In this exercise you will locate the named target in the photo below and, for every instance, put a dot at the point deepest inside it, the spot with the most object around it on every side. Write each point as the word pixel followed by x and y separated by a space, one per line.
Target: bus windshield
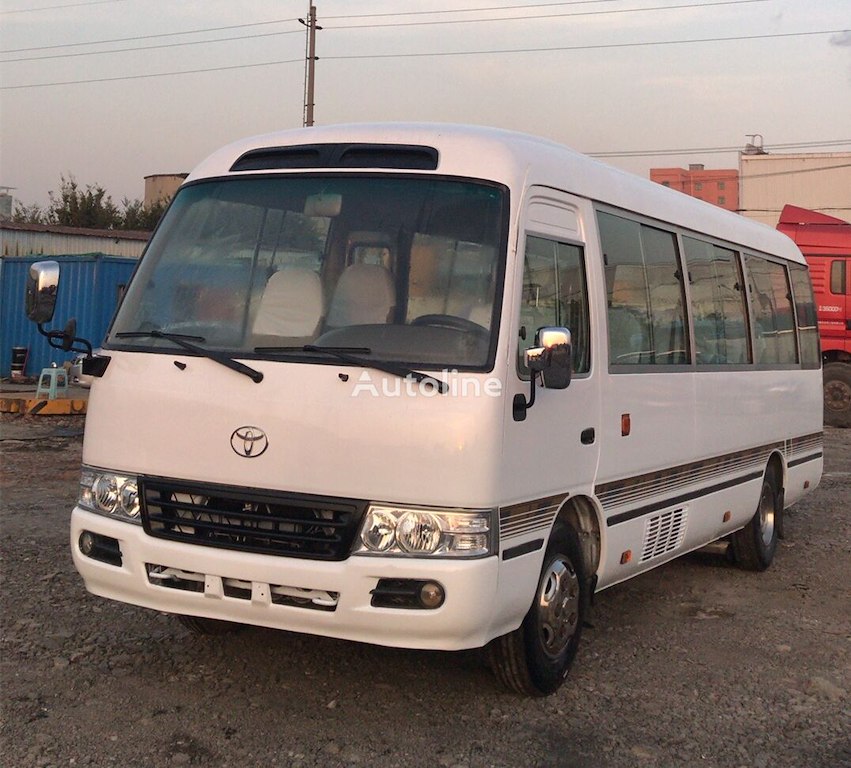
pixel 403 269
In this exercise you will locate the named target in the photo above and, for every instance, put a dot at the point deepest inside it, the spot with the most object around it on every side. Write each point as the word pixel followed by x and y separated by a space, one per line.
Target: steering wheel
pixel 451 321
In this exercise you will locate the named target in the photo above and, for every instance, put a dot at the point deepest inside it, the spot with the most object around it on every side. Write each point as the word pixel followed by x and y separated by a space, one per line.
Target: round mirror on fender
pixel 41 291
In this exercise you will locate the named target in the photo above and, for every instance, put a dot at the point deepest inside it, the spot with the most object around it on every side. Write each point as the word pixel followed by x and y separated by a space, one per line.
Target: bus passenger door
pixel 555 442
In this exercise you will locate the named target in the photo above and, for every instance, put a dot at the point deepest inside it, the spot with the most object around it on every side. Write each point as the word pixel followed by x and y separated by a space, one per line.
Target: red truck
pixel 825 242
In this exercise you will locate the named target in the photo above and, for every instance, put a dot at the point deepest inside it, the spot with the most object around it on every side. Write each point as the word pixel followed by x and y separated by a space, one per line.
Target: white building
pixel 818 181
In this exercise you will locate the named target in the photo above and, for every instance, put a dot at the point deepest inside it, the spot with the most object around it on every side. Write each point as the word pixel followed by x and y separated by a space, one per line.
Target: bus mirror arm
pixel 41 291
pixel 551 358
pixel 67 338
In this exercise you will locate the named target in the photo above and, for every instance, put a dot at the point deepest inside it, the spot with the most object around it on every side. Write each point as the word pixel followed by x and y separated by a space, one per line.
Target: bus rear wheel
pixel 837 394
pixel 534 659
pixel 755 544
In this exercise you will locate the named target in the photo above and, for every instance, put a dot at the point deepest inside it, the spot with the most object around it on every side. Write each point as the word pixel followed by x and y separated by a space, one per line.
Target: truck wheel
pixel 837 394
pixel 535 658
pixel 200 625
pixel 755 544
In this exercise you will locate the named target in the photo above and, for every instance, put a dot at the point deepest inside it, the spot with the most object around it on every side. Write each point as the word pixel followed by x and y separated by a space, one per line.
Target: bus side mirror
pixel 551 357
pixel 40 298
pixel 42 288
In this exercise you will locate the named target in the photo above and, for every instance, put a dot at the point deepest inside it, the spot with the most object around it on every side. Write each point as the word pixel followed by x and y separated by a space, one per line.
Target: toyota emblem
pixel 249 442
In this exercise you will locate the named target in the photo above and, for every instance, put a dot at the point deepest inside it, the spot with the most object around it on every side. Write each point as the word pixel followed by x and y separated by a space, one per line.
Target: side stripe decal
pixel 652 491
pixel 681 499
pixel 805 459
pixel 649 491
pixel 528 516
pixel 522 549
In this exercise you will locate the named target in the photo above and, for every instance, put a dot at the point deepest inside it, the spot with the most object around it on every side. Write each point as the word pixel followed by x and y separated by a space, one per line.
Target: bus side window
pixel 717 304
pixel 644 292
pixel 554 294
pixel 805 314
pixel 773 316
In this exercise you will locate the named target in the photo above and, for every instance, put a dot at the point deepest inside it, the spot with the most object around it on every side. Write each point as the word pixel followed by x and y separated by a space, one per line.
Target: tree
pixel 139 216
pixel 90 208
pixel 72 207
pixel 29 214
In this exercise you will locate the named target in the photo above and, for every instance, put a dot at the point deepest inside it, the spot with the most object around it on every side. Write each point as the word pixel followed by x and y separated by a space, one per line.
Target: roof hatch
pixel 400 156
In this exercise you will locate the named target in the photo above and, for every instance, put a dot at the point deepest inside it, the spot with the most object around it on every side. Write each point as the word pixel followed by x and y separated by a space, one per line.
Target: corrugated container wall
pixel 22 242
pixel 89 289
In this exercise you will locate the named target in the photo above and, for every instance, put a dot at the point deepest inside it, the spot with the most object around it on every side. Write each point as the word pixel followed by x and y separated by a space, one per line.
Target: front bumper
pixel 258 589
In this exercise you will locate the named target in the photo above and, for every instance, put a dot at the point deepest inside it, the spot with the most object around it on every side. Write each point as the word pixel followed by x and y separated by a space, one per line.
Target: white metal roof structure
pixel 514 159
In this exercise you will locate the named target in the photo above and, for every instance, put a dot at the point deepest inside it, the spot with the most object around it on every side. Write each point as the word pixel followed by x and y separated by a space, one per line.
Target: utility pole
pixel 310 59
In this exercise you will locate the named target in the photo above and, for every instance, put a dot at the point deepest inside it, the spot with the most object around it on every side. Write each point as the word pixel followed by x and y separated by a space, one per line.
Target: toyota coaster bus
pixel 433 386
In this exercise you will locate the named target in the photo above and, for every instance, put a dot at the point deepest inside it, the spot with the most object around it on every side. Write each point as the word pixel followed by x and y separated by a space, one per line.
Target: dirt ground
pixel 695 664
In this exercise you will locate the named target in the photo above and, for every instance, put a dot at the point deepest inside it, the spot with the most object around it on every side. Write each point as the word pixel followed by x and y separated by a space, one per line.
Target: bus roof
pixel 515 159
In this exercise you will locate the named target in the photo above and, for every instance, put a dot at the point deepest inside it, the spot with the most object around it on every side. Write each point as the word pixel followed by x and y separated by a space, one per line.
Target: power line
pixel 152 47
pixel 432 54
pixel 548 15
pixel 469 10
pixel 281 21
pixel 794 172
pixel 148 37
pixel 56 7
pixel 356 26
pixel 715 176
pixel 153 74
pixel 712 150
pixel 603 46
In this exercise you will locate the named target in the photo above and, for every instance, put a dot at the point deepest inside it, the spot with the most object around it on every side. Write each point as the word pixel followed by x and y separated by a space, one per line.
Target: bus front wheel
pixel 755 544
pixel 535 658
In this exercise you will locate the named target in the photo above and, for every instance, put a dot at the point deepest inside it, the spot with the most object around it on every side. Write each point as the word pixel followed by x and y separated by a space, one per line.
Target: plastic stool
pixel 52 382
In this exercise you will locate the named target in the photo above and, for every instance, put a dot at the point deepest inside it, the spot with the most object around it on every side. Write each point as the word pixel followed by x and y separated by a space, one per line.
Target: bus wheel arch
pixel 534 659
pixel 754 546
pixel 581 515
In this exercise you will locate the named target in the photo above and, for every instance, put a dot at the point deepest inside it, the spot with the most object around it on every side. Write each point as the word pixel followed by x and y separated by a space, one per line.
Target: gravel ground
pixel 696 663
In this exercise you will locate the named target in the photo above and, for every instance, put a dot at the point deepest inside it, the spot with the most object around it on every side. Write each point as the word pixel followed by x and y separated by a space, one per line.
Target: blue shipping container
pixel 90 287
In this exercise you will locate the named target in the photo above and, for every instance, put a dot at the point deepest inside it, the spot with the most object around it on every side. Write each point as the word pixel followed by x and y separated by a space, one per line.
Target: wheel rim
pixel 837 396
pixel 558 606
pixel 766 514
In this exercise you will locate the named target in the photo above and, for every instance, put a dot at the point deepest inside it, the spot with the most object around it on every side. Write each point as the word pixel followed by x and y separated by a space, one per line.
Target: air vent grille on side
pixel 664 533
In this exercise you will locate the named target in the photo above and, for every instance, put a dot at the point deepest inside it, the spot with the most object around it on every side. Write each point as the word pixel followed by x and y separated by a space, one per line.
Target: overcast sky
pixel 88 87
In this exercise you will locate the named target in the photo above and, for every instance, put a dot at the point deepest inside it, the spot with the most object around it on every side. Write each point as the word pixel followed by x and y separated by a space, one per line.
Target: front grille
pixel 249 520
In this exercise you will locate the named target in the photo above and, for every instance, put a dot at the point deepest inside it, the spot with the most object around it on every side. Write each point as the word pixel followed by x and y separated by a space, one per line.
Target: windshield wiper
pixel 185 341
pixel 350 355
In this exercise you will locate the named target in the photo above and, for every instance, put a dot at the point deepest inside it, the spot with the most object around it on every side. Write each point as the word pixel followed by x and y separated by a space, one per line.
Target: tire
pixel 754 545
pixel 535 658
pixel 837 394
pixel 202 626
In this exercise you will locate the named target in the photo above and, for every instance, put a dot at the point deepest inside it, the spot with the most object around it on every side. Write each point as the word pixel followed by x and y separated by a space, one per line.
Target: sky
pixel 111 91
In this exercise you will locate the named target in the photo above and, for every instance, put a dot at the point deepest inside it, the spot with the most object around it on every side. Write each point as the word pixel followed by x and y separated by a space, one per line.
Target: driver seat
pixel 290 308
pixel 364 295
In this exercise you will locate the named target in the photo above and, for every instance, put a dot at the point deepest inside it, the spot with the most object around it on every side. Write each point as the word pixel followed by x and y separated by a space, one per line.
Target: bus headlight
pixel 109 493
pixel 433 532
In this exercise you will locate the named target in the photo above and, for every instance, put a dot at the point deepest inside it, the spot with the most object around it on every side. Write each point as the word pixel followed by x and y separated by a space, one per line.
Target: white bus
pixel 432 387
